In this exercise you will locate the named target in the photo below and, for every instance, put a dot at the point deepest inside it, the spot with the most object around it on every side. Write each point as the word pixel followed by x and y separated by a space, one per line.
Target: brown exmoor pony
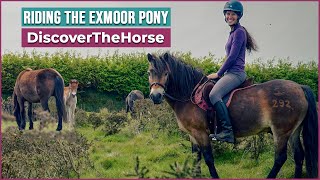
pixel 70 100
pixel 34 86
pixel 282 107
pixel 133 96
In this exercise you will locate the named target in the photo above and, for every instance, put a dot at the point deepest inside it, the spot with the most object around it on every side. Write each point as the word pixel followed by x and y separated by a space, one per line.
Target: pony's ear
pixel 166 56
pixel 150 57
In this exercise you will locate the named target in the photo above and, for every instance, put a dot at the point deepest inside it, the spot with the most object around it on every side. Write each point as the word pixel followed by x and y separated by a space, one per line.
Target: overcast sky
pixel 281 29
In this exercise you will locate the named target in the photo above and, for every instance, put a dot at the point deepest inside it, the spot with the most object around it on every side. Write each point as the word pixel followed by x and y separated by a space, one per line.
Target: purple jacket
pixel 236 51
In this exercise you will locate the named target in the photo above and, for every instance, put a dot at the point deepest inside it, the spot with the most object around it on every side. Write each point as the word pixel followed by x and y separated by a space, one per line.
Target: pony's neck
pixel 181 84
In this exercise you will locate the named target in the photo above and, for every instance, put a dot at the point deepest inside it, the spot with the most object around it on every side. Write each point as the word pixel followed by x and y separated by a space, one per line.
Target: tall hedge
pixel 121 73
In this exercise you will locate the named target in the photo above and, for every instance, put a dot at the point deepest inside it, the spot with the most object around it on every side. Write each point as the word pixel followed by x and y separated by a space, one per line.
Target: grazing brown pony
pixel 34 86
pixel 133 96
pixel 70 100
pixel 280 106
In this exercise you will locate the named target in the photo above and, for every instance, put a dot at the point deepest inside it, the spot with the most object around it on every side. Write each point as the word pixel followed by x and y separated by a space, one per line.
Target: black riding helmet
pixel 235 6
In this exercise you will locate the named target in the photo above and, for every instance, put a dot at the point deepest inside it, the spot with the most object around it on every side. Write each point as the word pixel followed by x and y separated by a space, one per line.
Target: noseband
pixel 159 84
pixel 166 94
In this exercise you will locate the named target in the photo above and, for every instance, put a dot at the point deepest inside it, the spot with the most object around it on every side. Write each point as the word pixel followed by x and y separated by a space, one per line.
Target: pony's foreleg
pixel 127 108
pixel 280 155
pixel 208 157
pixel 202 139
pixel 30 116
pixel 68 114
pixel 72 115
pixel 196 149
pixel 16 107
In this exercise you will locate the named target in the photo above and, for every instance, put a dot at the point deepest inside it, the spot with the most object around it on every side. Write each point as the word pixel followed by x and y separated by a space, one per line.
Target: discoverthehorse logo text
pixel 72 27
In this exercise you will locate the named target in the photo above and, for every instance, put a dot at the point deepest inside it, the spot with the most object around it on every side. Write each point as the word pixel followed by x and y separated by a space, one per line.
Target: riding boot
pixel 226 133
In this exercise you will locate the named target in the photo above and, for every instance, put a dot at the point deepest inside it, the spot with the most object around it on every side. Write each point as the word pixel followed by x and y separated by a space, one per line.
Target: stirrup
pixel 213 137
pixel 226 139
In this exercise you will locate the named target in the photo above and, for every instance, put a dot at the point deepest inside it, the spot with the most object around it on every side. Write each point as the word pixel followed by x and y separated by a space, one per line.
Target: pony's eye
pixel 166 74
pixel 148 73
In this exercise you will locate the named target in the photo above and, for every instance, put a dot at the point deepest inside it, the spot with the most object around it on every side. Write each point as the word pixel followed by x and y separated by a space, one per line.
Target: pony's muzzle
pixel 157 98
pixel 156 94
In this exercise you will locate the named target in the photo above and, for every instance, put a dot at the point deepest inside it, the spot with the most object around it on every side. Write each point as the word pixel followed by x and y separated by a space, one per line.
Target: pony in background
pixel 34 86
pixel 70 100
pixel 133 96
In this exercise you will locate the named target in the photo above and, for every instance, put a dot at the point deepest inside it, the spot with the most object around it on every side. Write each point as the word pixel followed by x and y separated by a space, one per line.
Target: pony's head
pixel 73 85
pixel 158 73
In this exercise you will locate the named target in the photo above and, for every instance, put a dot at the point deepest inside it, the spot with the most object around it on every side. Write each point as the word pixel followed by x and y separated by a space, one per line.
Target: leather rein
pixel 184 100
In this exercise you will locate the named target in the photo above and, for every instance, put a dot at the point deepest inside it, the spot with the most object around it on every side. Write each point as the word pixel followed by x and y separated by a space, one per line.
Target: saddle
pixel 200 97
pixel 200 94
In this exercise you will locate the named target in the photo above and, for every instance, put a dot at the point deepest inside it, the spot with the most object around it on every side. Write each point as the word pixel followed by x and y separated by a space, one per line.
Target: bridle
pixel 166 94
pixel 159 84
pixel 192 94
pixel 171 97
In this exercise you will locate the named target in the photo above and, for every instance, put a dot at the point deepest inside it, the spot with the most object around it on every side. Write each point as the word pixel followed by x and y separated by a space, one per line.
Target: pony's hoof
pixel 30 128
pixel 59 128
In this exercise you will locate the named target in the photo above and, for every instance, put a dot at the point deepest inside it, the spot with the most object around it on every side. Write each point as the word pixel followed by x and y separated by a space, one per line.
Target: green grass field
pixel 114 156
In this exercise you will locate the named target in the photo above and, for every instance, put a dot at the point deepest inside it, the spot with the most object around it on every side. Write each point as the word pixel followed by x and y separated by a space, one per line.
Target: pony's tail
pixel 16 109
pixel 59 87
pixel 310 134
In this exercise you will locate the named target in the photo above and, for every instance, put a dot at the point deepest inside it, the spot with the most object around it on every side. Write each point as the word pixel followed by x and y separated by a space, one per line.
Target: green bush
pixel 43 155
pixel 112 73
pixel 121 73
pixel 81 118
pixel 114 122
pixel 95 120
pixel 152 118
pixel 7 105
pixel 255 145
pixel 302 73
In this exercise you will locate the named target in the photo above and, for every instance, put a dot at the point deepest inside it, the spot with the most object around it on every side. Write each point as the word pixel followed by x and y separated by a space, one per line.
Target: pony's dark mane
pixel 182 77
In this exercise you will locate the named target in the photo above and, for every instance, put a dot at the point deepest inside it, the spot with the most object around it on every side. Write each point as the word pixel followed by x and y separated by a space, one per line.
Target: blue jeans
pixel 226 84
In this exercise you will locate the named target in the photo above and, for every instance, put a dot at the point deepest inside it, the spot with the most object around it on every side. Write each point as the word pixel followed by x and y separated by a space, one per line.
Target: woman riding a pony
pixel 232 72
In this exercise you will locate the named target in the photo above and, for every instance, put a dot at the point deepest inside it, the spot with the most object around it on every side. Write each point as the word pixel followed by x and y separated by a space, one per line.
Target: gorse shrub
pixel 81 118
pixel 154 118
pixel 95 120
pixel 255 145
pixel 44 155
pixel 7 105
pixel 114 122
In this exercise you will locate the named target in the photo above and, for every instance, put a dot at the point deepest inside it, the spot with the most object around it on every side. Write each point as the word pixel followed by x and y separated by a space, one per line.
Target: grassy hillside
pixel 108 143
pixel 159 148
